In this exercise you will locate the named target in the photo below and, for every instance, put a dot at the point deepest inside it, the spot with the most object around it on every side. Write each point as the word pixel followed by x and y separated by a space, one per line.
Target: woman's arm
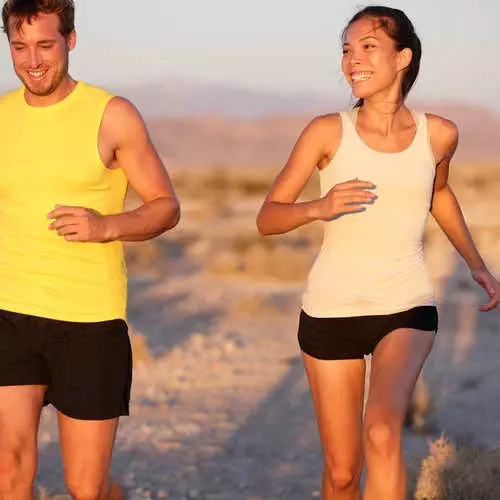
pixel 315 147
pixel 448 214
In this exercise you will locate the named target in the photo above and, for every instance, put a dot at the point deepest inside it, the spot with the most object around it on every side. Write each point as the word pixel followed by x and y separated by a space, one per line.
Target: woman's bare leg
pixel 337 389
pixel 396 364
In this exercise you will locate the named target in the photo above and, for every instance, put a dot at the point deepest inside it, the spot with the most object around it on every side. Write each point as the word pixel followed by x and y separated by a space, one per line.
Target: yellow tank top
pixel 50 156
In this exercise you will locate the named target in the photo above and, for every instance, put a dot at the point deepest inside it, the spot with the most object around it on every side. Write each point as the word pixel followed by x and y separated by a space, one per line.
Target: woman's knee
pixel 382 437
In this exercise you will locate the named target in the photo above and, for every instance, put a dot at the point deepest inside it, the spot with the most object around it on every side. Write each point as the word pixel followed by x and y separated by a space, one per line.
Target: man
pixel 68 151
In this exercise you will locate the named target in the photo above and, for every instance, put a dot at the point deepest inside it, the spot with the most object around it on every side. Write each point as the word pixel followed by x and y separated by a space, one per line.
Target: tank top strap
pixel 349 133
pixel 423 140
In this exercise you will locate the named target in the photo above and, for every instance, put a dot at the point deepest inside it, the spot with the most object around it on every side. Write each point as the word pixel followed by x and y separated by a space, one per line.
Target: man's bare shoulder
pixel 120 108
pixel 122 122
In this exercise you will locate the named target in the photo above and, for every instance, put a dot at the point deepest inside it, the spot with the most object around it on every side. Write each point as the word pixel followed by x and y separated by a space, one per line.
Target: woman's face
pixel 371 63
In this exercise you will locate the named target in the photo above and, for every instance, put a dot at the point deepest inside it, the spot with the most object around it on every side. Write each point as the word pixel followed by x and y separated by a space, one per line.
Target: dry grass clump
pixel 231 181
pixel 144 257
pixel 458 473
pixel 214 181
pixel 282 262
pixel 482 180
pixel 259 258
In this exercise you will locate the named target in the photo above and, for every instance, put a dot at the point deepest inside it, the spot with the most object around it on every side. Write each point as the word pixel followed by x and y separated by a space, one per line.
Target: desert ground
pixel 220 405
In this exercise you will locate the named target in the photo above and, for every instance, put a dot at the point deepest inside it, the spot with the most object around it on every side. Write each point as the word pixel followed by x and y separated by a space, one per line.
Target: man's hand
pixel 80 224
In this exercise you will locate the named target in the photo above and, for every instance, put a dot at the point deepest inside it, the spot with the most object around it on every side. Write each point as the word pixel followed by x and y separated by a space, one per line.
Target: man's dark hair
pixel 27 10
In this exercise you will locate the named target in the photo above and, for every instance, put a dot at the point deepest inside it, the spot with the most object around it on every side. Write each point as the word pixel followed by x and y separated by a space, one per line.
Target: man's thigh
pixel 87 448
pixel 20 408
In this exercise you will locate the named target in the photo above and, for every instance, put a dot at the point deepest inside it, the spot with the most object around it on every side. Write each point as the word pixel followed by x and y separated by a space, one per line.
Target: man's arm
pixel 146 174
pixel 124 130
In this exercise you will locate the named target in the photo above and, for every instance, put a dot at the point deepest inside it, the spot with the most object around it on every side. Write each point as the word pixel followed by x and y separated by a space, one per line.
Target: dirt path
pixel 222 410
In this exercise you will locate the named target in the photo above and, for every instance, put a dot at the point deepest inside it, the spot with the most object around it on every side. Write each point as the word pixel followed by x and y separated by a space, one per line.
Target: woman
pixel 381 167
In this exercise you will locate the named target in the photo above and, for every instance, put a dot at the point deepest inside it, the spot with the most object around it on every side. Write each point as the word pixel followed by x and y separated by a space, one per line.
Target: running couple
pixel 68 152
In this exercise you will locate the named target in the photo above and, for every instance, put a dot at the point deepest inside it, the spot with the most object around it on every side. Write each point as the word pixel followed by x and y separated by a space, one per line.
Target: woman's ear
pixel 404 59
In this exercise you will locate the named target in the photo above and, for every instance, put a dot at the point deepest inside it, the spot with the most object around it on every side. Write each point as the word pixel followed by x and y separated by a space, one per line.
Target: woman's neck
pixel 384 117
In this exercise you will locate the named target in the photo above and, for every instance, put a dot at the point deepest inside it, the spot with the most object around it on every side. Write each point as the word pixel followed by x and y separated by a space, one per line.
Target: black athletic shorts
pixel 86 366
pixel 355 337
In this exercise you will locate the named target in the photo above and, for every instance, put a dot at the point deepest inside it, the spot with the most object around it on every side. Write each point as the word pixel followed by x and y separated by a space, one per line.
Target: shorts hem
pixel 88 417
pixel 9 383
pixel 325 357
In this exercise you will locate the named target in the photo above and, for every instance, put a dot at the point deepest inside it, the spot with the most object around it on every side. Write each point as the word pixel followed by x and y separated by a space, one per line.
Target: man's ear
pixel 71 40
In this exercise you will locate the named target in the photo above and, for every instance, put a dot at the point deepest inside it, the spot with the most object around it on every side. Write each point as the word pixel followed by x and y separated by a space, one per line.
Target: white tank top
pixel 372 262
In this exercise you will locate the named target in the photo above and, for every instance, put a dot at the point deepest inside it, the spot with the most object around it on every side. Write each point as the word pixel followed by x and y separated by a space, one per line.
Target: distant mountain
pixel 176 98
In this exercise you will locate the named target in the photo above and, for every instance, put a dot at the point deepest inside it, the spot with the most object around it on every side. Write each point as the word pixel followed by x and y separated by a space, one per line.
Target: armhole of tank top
pixel 343 118
pixel 427 138
pixel 106 102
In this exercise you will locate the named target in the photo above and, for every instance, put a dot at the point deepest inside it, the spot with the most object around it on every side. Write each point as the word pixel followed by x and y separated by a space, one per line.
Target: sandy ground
pixel 220 408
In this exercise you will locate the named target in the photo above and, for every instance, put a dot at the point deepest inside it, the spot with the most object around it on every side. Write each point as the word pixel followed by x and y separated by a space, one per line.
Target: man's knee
pixel 87 491
pixel 17 471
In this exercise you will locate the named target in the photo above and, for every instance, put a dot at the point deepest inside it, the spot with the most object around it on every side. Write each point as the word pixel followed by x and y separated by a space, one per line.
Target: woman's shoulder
pixel 327 125
pixel 441 128
pixel 443 134
pixel 328 120
pixel 326 131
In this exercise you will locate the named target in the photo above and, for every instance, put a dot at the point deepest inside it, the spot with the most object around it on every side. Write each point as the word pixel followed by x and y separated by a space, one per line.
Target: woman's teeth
pixel 360 77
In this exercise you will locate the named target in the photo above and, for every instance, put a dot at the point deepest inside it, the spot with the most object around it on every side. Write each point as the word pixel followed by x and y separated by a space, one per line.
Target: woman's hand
pixel 490 284
pixel 346 197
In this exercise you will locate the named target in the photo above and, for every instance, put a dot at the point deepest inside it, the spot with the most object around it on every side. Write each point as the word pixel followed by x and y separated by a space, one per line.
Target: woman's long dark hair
pixel 399 28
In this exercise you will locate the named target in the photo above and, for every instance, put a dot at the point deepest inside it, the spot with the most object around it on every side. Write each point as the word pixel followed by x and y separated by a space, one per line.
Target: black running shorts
pixel 355 337
pixel 87 367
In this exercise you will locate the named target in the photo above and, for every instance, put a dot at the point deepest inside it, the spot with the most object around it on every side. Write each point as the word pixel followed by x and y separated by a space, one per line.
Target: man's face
pixel 40 53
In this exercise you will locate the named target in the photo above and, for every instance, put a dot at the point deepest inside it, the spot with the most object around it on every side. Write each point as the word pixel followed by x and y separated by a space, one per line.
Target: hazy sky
pixel 275 44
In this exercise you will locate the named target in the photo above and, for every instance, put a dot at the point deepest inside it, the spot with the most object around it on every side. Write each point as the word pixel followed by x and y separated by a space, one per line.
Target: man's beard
pixel 44 90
